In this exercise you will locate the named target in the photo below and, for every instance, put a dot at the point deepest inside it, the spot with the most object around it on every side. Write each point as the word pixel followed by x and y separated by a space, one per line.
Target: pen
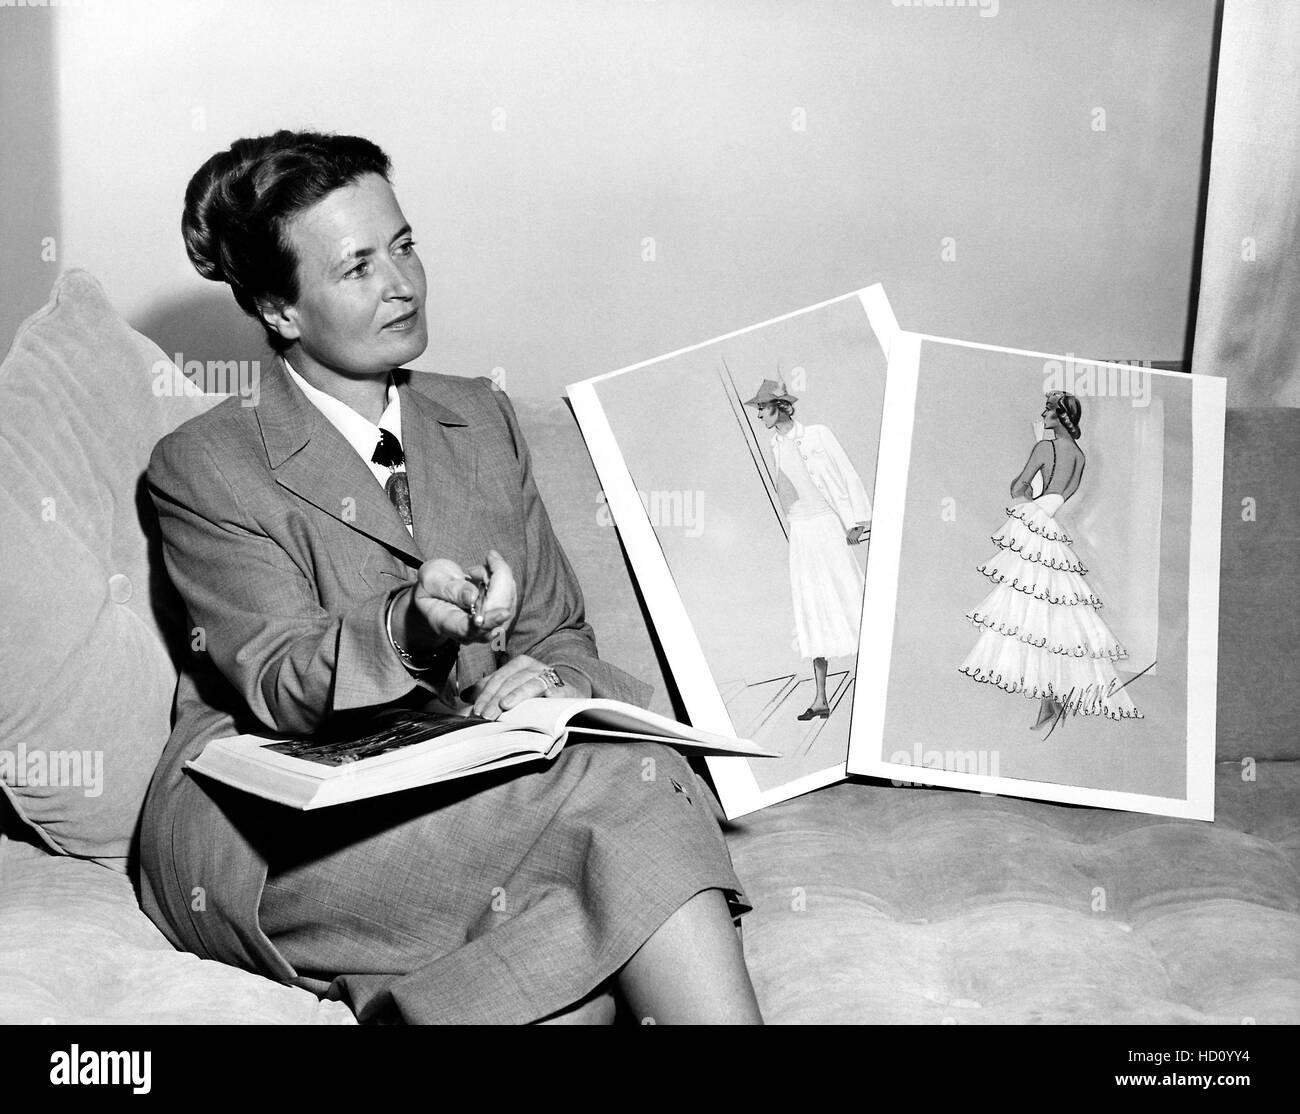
pixel 480 600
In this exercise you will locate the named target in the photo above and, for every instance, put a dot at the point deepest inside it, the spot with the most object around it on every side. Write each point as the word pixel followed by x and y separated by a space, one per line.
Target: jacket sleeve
pixel 256 609
pixel 552 624
pixel 859 503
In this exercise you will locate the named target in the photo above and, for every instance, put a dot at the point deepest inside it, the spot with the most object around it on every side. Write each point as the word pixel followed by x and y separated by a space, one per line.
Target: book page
pixel 555 716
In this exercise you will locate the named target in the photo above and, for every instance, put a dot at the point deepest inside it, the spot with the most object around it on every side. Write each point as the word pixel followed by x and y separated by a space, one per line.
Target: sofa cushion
pixel 86 611
pixel 571 491
pixel 881 905
pixel 78 949
pixel 1259 621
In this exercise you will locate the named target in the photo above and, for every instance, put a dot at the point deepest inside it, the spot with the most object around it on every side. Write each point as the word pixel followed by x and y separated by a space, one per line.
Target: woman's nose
pixel 398 284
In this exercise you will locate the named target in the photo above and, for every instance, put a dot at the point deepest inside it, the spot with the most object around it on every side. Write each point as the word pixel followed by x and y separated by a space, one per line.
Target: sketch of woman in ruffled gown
pixel 1040 631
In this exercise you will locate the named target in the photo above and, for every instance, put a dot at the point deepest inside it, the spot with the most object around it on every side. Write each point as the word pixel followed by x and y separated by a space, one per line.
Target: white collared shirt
pixel 360 433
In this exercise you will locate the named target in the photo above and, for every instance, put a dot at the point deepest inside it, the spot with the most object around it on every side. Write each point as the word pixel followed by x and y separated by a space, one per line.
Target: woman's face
pixel 1050 420
pixel 361 287
pixel 768 414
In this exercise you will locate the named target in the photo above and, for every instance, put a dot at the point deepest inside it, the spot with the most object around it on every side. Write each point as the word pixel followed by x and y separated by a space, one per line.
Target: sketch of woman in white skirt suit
pixel 830 512
pixel 1041 634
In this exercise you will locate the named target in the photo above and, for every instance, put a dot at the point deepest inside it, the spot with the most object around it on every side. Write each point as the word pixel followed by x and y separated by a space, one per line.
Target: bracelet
pixel 409 660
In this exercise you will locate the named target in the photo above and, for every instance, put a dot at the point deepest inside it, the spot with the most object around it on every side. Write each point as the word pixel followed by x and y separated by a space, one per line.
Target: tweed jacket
pixel 286 552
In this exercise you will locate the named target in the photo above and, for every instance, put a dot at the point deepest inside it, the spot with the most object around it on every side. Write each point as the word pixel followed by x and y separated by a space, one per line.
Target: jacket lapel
pixel 441 465
pixel 309 457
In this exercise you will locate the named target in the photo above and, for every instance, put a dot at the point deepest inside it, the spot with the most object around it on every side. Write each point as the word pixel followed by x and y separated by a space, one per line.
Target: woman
pixel 320 542
pixel 1041 634
pixel 830 512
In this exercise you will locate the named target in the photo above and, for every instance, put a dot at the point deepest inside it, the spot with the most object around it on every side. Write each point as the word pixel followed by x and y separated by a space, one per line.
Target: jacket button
pixel 119 587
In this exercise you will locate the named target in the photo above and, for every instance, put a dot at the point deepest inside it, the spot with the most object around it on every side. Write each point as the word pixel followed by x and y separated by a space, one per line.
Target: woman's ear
pixel 279 317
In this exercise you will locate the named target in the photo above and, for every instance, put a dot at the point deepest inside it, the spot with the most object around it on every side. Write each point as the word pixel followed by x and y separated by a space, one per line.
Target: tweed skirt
pixel 502 898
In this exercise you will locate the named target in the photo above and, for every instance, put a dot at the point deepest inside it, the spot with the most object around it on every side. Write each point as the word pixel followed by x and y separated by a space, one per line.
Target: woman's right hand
pixel 444 596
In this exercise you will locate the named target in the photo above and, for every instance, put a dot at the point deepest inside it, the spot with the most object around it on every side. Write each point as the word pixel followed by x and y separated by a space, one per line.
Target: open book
pixel 404 748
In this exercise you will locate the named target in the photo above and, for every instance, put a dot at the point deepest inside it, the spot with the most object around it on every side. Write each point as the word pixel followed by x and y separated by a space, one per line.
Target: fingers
pixel 530 687
pixel 516 673
pixel 447 620
pixel 502 599
pixel 467 606
pixel 441 594
pixel 445 580
pixel 485 692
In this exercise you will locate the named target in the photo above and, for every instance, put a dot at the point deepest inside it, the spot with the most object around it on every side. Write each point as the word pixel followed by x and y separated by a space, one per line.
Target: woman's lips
pixel 406 322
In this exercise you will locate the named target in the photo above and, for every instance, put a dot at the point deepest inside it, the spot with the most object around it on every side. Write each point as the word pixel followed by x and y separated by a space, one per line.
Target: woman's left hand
pixel 519 679
pixel 859 533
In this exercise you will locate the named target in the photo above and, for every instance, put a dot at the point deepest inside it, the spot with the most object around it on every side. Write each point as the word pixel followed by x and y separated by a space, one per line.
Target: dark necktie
pixel 389 454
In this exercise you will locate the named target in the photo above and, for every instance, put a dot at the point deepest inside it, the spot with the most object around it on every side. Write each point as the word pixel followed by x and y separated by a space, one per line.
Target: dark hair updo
pixel 239 203
pixel 1068 411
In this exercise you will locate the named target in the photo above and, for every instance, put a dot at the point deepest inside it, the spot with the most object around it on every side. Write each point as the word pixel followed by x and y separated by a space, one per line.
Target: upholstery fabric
pixel 922 906
pixel 84 664
pixel 1259 586
pixel 78 949
pixel 567 480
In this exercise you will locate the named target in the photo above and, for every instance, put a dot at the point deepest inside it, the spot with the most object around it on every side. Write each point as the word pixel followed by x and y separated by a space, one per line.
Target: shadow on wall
pixel 207 327
pixel 31 240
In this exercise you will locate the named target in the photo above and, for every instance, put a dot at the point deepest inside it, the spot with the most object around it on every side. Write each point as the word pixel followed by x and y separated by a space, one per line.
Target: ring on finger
pixel 551 679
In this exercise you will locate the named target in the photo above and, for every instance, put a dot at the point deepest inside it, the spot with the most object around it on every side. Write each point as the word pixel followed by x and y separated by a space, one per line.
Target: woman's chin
pixel 402 346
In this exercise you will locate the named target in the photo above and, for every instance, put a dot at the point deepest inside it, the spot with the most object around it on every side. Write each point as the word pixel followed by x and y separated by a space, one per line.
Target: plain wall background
pixel 630 119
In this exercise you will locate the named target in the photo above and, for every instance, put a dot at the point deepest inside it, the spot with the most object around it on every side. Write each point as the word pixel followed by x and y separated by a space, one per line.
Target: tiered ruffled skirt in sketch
pixel 1040 631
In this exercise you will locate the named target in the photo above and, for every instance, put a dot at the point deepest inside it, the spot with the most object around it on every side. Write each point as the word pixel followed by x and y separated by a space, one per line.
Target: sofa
pixel 872 903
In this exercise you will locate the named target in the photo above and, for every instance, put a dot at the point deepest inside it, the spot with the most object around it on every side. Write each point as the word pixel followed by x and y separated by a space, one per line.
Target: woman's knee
pixel 598 1008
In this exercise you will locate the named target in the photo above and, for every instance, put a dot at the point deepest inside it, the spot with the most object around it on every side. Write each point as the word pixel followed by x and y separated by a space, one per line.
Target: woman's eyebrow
pixel 353 254
pixel 349 256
